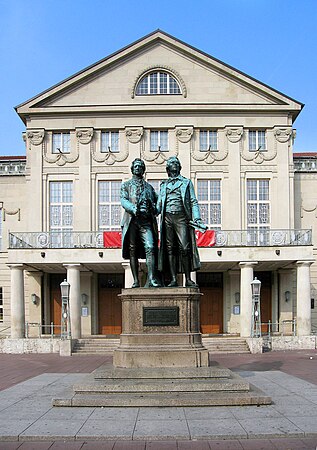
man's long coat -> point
(192, 212)
(129, 201)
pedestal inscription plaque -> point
(161, 317)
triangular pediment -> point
(206, 82)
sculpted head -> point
(138, 167)
(173, 166)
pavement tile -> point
(161, 413)
(63, 413)
(114, 413)
(257, 444)
(307, 424)
(208, 412)
(10, 429)
(161, 429)
(51, 429)
(270, 427)
(129, 445)
(193, 445)
(225, 444)
(106, 429)
(216, 428)
(256, 412)
(302, 410)
(40, 445)
(98, 445)
(10, 445)
(63, 445)
(291, 444)
(161, 445)
(310, 442)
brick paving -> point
(15, 369)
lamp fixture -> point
(256, 286)
(84, 299)
(287, 296)
(34, 298)
(237, 297)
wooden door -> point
(211, 310)
(110, 321)
(56, 300)
(265, 298)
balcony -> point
(224, 238)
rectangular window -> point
(109, 205)
(159, 141)
(209, 199)
(1, 304)
(61, 143)
(258, 212)
(109, 141)
(61, 213)
(257, 140)
(208, 140)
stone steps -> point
(217, 345)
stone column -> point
(303, 298)
(73, 278)
(246, 297)
(128, 278)
(17, 302)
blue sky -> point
(43, 42)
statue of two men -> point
(180, 215)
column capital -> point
(16, 266)
(305, 263)
(248, 263)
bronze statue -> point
(139, 226)
(180, 215)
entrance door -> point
(109, 304)
(56, 301)
(211, 303)
(265, 299)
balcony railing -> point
(224, 238)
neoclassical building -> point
(158, 97)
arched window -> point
(158, 83)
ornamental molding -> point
(209, 156)
(158, 157)
(184, 134)
(84, 135)
(165, 69)
(284, 134)
(34, 137)
(60, 158)
(308, 206)
(134, 134)
(234, 134)
(109, 158)
(258, 157)
(11, 212)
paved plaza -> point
(28, 421)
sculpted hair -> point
(138, 160)
(170, 160)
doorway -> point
(109, 304)
(211, 302)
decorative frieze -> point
(35, 137)
(134, 134)
(184, 134)
(84, 135)
(284, 134)
(209, 156)
(234, 134)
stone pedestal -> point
(160, 328)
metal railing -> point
(283, 328)
(224, 238)
(51, 330)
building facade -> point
(157, 98)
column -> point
(73, 278)
(246, 297)
(303, 298)
(128, 278)
(17, 302)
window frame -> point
(61, 234)
(258, 231)
(154, 86)
(210, 137)
(109, 148)
(159, 140)
(62, 135)
(256, 144)
(210, 202)
(117, 204)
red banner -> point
(207, 239)
(112, 239)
